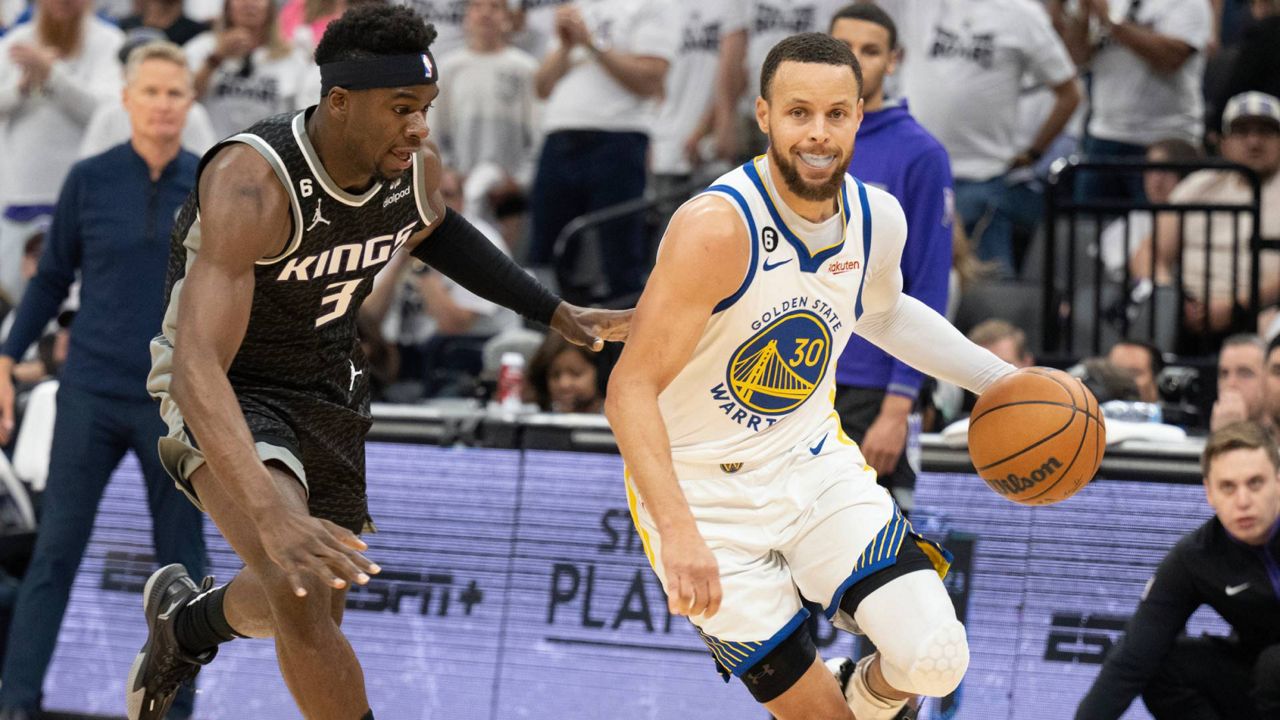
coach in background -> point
(112, 224)
(1232, 564)
(874, 391)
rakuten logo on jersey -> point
(346, 258)
(839, 267)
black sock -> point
(202, 625)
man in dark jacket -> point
(112, 225)
(1232, 564)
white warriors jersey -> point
(761, 380)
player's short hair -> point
(1105, 380)
(1153, 352)
(991, 331)
(373, 29)
(1245, 339)
(154, 50)
(1177, 149)
(811, 47)
(868, 12)
(1245, 435)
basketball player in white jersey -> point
(744, 490)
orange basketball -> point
(1037, 436)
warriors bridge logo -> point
(777, 369)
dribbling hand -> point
(692, 575)
(300, 545)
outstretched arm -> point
(702, 260)
(456, 248)
(908, 329)
(1167, 603)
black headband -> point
(380, 71)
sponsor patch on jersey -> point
(839, 267)
(396, 196)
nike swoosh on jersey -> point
(1233, 590)
(768, 267)
(818, 448)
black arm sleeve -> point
(460, 251)
(1160, 618)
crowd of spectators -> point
(551, 110)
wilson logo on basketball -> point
(839, 267)
(1015, 484)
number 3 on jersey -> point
(338, 294)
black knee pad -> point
(782, 667)
(910, 559)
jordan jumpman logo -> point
(354, 374)
(318, 217)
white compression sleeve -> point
(918, 336)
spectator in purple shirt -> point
(876, 392)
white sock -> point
(865, 703)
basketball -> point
(1037, 436)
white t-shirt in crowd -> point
(486, 110)
(769, 21)
(110, 126)
(235, 101)
(1116, 248)
(203, 10)
(40, 133)
(1133, 103)
(446, 16)
(691, 80)
(407, 321)
(965, 65)
(1214, 187)
(588, 97)
(538, 36)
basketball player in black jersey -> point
(258, 371)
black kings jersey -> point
(301, 336)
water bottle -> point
(1132, 411)
(510, 396)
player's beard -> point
(825, 190)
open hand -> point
(591, 327)
(36, 62)
(571, 27)
(301, 545)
